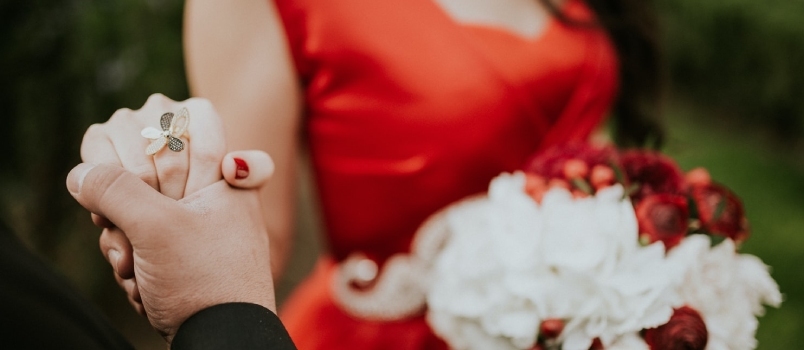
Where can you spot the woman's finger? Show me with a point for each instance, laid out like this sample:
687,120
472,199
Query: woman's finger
247,169
101,221
116,247
124,128
171,167
207,145
132,293
97,147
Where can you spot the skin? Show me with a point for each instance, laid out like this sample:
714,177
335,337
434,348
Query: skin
117,142
213,249
237,57
525,18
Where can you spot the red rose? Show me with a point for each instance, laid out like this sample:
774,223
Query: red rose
652,173
686,330
663,217
720,211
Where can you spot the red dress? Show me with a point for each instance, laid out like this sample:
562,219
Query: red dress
408,111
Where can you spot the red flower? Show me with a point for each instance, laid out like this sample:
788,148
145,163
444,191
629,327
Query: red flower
551,328
686,330
663,217
652,173
720,211
551,162
596,345
698,177
535,186
602,176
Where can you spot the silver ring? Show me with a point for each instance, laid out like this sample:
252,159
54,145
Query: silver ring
173,128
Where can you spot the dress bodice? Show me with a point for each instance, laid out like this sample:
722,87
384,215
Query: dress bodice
408,111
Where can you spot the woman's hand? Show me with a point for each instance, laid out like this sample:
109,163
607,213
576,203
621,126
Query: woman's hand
175,174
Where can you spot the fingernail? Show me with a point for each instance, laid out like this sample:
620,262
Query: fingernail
114,258
242,169
75,179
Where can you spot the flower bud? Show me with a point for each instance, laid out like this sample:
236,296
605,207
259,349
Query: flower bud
720,211
602,176
553,183
575,168
662,217
597,345
685,330
535,186
551,328
652,172
698,177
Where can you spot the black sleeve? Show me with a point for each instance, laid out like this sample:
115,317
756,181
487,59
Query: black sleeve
239,326
40,310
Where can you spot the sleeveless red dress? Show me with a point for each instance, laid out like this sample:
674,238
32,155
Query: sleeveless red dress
408,111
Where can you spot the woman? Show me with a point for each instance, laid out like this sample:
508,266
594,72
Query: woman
407,107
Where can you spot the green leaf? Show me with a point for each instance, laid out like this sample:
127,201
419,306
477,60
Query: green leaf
582,185
693,207
721,207
619,174
716,239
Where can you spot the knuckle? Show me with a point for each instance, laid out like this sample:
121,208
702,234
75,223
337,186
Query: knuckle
211,154
147,174
172,168
203,108
158,100
105,181
200,102
113,239
95,130
93,138
103,242
121,113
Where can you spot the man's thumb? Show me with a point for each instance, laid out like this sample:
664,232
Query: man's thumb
112,192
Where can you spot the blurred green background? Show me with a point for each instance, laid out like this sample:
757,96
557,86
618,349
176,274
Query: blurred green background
735,75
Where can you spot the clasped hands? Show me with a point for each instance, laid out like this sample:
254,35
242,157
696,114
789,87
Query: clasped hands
181,230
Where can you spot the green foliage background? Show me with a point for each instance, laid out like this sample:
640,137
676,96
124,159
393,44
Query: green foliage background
735,69
740,59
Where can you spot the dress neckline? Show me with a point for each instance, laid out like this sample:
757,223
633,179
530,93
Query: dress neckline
539,36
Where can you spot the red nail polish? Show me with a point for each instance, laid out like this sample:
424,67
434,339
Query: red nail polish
242,169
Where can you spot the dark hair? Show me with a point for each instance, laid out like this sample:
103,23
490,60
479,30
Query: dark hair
632,26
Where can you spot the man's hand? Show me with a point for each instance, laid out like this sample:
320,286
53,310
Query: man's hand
206,249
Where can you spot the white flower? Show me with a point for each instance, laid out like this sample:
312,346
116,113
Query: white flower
510,263
630,341
727,289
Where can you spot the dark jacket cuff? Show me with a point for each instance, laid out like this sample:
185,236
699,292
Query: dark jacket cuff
233,326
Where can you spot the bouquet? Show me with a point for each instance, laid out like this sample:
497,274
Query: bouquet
587,248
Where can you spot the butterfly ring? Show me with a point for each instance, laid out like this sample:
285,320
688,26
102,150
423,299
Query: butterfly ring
173,127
